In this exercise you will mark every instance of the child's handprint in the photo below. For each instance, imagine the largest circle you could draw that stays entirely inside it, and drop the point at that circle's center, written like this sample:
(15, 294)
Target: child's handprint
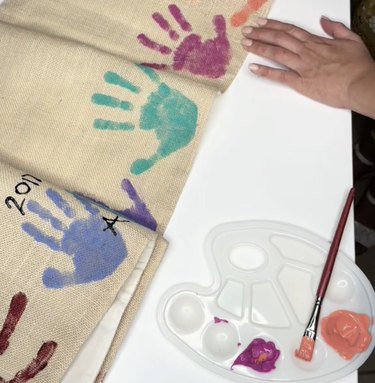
(168, 112)
(139, 212)
(240, 17)
(209, 58)
(95, 252)
(45, 353)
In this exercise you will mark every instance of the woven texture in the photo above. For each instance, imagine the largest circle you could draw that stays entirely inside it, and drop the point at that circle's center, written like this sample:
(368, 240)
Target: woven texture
(107, 100)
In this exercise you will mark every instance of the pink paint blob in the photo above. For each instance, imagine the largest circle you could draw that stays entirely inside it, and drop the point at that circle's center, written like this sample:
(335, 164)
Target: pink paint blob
(259, 355)
(346, 332)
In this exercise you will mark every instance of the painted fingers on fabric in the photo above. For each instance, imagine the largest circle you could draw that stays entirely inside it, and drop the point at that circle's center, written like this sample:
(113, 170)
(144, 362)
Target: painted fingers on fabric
(321, 68)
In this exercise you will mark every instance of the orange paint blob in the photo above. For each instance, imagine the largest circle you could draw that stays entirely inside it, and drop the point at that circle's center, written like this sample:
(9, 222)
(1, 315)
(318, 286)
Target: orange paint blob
(240, 18)
(347, 332)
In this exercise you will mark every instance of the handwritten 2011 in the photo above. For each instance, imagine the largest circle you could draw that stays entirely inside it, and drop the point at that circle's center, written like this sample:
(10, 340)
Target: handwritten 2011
(22, 188)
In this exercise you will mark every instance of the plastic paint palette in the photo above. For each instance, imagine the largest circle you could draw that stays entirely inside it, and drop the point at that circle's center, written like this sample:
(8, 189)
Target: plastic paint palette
(265, 279)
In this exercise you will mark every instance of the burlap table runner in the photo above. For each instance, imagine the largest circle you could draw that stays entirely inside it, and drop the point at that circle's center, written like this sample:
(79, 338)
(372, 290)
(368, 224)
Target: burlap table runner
(106, 100)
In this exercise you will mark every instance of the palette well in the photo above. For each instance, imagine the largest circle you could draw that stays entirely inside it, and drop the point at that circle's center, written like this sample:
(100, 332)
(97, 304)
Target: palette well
(265, 278)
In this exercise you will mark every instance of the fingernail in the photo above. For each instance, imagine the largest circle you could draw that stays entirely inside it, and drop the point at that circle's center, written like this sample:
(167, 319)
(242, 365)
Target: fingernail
(254, 67)
(247, 30)
(261, 21)
(246, 42)
(325, 18)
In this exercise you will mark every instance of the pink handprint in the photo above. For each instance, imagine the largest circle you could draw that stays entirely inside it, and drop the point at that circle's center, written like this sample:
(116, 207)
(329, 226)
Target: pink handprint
(208, 58)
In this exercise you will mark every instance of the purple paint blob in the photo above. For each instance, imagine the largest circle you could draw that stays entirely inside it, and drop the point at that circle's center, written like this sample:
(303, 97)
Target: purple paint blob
(259, 355)
(209, 58)
(219, 320)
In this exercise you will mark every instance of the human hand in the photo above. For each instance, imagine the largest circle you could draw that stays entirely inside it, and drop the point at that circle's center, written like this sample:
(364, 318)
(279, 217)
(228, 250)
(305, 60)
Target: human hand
(334, 71)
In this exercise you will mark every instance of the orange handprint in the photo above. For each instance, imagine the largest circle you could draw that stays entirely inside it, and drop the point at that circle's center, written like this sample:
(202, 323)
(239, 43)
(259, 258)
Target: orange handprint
(240, 18)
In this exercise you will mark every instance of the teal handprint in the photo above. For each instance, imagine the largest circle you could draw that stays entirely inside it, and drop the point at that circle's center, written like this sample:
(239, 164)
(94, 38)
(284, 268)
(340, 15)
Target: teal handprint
(96, 253)
(168, 112)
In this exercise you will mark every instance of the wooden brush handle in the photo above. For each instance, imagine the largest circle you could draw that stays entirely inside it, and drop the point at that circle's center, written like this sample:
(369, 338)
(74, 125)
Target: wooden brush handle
(333, 250)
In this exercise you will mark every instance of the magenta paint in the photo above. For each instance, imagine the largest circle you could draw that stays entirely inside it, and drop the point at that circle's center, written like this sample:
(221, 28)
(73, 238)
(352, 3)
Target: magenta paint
(164, 50)
(163, 24)
(219, 320)
(209, 58)
(179, 17)
(259, 355)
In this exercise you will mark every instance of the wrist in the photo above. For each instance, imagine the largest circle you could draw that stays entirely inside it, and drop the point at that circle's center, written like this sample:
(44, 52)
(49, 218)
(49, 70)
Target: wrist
(361, 92)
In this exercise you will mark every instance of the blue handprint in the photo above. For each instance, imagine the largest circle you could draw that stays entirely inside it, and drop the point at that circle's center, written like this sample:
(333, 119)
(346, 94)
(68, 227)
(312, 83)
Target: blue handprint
(96, 253)
(168, 112)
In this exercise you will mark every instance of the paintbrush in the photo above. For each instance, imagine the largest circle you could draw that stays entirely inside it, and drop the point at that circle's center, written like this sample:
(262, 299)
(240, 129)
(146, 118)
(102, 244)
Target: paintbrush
(306, 348)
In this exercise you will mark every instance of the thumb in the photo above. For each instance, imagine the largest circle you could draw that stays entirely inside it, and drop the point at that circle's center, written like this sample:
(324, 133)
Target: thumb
(337, 30)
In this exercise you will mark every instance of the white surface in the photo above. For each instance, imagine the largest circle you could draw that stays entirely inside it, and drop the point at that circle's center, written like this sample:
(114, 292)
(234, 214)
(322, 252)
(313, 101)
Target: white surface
(268, 153)
(86, 366)
(266, 303)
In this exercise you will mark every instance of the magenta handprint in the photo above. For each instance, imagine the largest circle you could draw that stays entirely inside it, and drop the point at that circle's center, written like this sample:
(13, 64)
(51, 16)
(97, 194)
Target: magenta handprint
(208, 58)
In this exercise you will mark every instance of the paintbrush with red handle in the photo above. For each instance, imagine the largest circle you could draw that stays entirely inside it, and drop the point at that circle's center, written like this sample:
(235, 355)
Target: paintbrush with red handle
(306, 348)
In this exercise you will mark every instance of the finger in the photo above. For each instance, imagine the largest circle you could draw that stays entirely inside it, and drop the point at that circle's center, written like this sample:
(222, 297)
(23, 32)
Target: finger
(291, 29)
(274, 37)
(39, 236)
(281, 76)
(337, 30)
(87, 204)
(279, 55)
(45, 215)
(220, 26)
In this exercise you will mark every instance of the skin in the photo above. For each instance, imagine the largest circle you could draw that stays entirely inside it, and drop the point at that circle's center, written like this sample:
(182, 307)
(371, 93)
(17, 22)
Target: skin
(337, 70)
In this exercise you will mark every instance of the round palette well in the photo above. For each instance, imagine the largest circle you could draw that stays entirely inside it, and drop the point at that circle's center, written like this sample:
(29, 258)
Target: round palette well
(265, 279)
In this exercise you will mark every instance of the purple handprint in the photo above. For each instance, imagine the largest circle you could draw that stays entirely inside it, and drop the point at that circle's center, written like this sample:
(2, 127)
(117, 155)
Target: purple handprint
(138, 212)
(209, 58)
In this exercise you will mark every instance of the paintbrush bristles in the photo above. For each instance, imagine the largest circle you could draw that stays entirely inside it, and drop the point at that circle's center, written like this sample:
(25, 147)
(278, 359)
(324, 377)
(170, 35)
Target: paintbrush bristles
(306, 349)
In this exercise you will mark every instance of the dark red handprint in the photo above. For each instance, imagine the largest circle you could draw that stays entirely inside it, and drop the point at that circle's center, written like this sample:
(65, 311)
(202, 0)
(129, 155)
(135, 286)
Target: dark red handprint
(208, 58)
(39, 363)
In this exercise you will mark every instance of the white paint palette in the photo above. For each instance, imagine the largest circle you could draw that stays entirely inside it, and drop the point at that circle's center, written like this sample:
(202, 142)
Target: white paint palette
(265, 279)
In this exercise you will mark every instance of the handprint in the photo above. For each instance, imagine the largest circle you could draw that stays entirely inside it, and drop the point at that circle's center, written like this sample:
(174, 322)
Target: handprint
(168, 112)
(45, 353)
(209, 58)
(139, 212)
(241, 17)
(96, 253)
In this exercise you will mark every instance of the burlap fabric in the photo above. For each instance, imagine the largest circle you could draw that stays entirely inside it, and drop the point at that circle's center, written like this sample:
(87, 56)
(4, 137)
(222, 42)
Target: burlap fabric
(107, 100)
